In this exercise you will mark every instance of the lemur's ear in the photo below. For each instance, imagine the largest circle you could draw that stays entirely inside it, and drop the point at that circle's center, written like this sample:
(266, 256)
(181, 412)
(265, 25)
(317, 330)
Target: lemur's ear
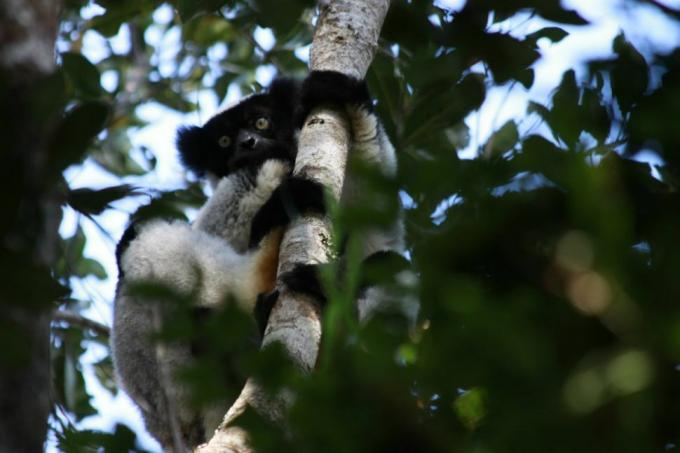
(193, 149)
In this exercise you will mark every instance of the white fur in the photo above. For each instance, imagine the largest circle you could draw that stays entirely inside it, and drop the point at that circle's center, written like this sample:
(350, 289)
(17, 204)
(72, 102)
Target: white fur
(209, 259)
(235, 201)
(188, 260)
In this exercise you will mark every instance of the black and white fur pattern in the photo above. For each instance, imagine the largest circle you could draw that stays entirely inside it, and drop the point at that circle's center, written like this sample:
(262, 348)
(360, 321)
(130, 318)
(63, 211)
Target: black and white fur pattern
(208, 256)
(232, 247)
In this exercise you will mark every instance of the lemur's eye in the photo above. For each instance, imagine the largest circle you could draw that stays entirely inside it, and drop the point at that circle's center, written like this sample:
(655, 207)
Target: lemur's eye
(262, 123)
(224, 141)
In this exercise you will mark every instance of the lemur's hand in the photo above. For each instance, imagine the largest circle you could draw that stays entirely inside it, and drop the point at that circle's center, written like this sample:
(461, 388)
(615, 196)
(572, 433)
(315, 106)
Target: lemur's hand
(294, 197)
(331, 87)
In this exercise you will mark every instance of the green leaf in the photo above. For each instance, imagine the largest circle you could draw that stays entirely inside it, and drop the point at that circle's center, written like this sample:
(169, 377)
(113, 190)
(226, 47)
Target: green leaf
(163, 92)
(539, 155)
(113, 154)
(222, 84)
(389, 90)
(285, 18)
(94, 202)
(630, 74)
(170, 204)
(73, 263)
(503, 139)
(564, 116)
(103, 369)
(442, 105)
(470, 407)
(117, 13)
(87, 266)
(539, 109)
(596, 118)
(556, 13)
(75, 134)
(188, 9)
(79, 441)
(84, 75)
(209, 29)
(68, 377)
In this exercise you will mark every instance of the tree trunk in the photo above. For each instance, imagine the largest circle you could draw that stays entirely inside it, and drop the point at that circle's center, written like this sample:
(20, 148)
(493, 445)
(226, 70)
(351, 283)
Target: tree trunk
(28, 230)
(345, 40)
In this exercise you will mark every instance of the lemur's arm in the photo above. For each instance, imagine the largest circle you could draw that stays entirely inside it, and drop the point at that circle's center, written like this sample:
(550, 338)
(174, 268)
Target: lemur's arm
(298, 195)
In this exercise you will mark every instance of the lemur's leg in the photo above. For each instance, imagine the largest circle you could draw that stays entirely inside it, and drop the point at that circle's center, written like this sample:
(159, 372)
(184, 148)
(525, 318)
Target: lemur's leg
(298, 195)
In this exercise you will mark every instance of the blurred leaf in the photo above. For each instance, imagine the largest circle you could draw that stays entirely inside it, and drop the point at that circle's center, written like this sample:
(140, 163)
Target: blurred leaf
(442, 105)
(94, 202)
(285, 18)
(68, 377)
(222, 84)
(188, 9)
(564, 114)
(554, 34)
(541, 156)
(630, 74)
(79, 127)
(503, 139)
(73, 263)
(209, 29)
(595, 116)
(170, 205)
(83, 74)
(103, 369)
(121, 439)
(113, 154)
(163, 92)
(390, 92)
(117, 13)
(88, 266)
(407, 24)
(470, 407)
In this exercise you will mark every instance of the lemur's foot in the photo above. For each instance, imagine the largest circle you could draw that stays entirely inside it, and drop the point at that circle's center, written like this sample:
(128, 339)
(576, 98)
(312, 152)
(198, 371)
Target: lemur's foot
(294, 197)
(331, 87)
(304, 279)
(263, 309)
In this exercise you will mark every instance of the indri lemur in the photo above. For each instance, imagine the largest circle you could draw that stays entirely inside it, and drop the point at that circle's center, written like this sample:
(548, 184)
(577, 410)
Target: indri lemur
(246, 153)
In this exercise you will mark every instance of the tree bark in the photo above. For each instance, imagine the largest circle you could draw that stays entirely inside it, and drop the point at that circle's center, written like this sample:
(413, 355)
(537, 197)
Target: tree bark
(345, 40)
(28, 231)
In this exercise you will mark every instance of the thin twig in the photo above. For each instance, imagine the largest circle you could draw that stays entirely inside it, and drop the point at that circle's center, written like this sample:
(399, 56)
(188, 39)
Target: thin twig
(76, 319)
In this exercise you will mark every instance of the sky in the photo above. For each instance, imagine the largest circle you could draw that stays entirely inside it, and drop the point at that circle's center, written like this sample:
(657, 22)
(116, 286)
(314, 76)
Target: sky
(645, 27)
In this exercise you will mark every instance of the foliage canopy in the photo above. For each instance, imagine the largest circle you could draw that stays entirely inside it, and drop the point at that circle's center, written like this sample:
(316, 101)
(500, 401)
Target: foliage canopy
(548, 264)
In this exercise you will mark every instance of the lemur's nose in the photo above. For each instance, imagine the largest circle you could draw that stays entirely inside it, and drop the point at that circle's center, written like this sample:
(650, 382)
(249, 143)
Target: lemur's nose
(247, 141)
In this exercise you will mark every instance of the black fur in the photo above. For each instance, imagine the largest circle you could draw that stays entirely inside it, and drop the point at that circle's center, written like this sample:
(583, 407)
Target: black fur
(263, 308)
(331, 88)
(200, 149)
(295, 196)
(304, 279)
(378, 268)
(128, 236)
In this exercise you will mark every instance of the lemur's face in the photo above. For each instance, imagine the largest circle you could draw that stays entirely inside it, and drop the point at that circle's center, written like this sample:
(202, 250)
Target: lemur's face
(260, 127)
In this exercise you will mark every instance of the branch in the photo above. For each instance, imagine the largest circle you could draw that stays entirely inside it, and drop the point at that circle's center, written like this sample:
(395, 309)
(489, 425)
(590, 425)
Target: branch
(76, 319)
(345, 40)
